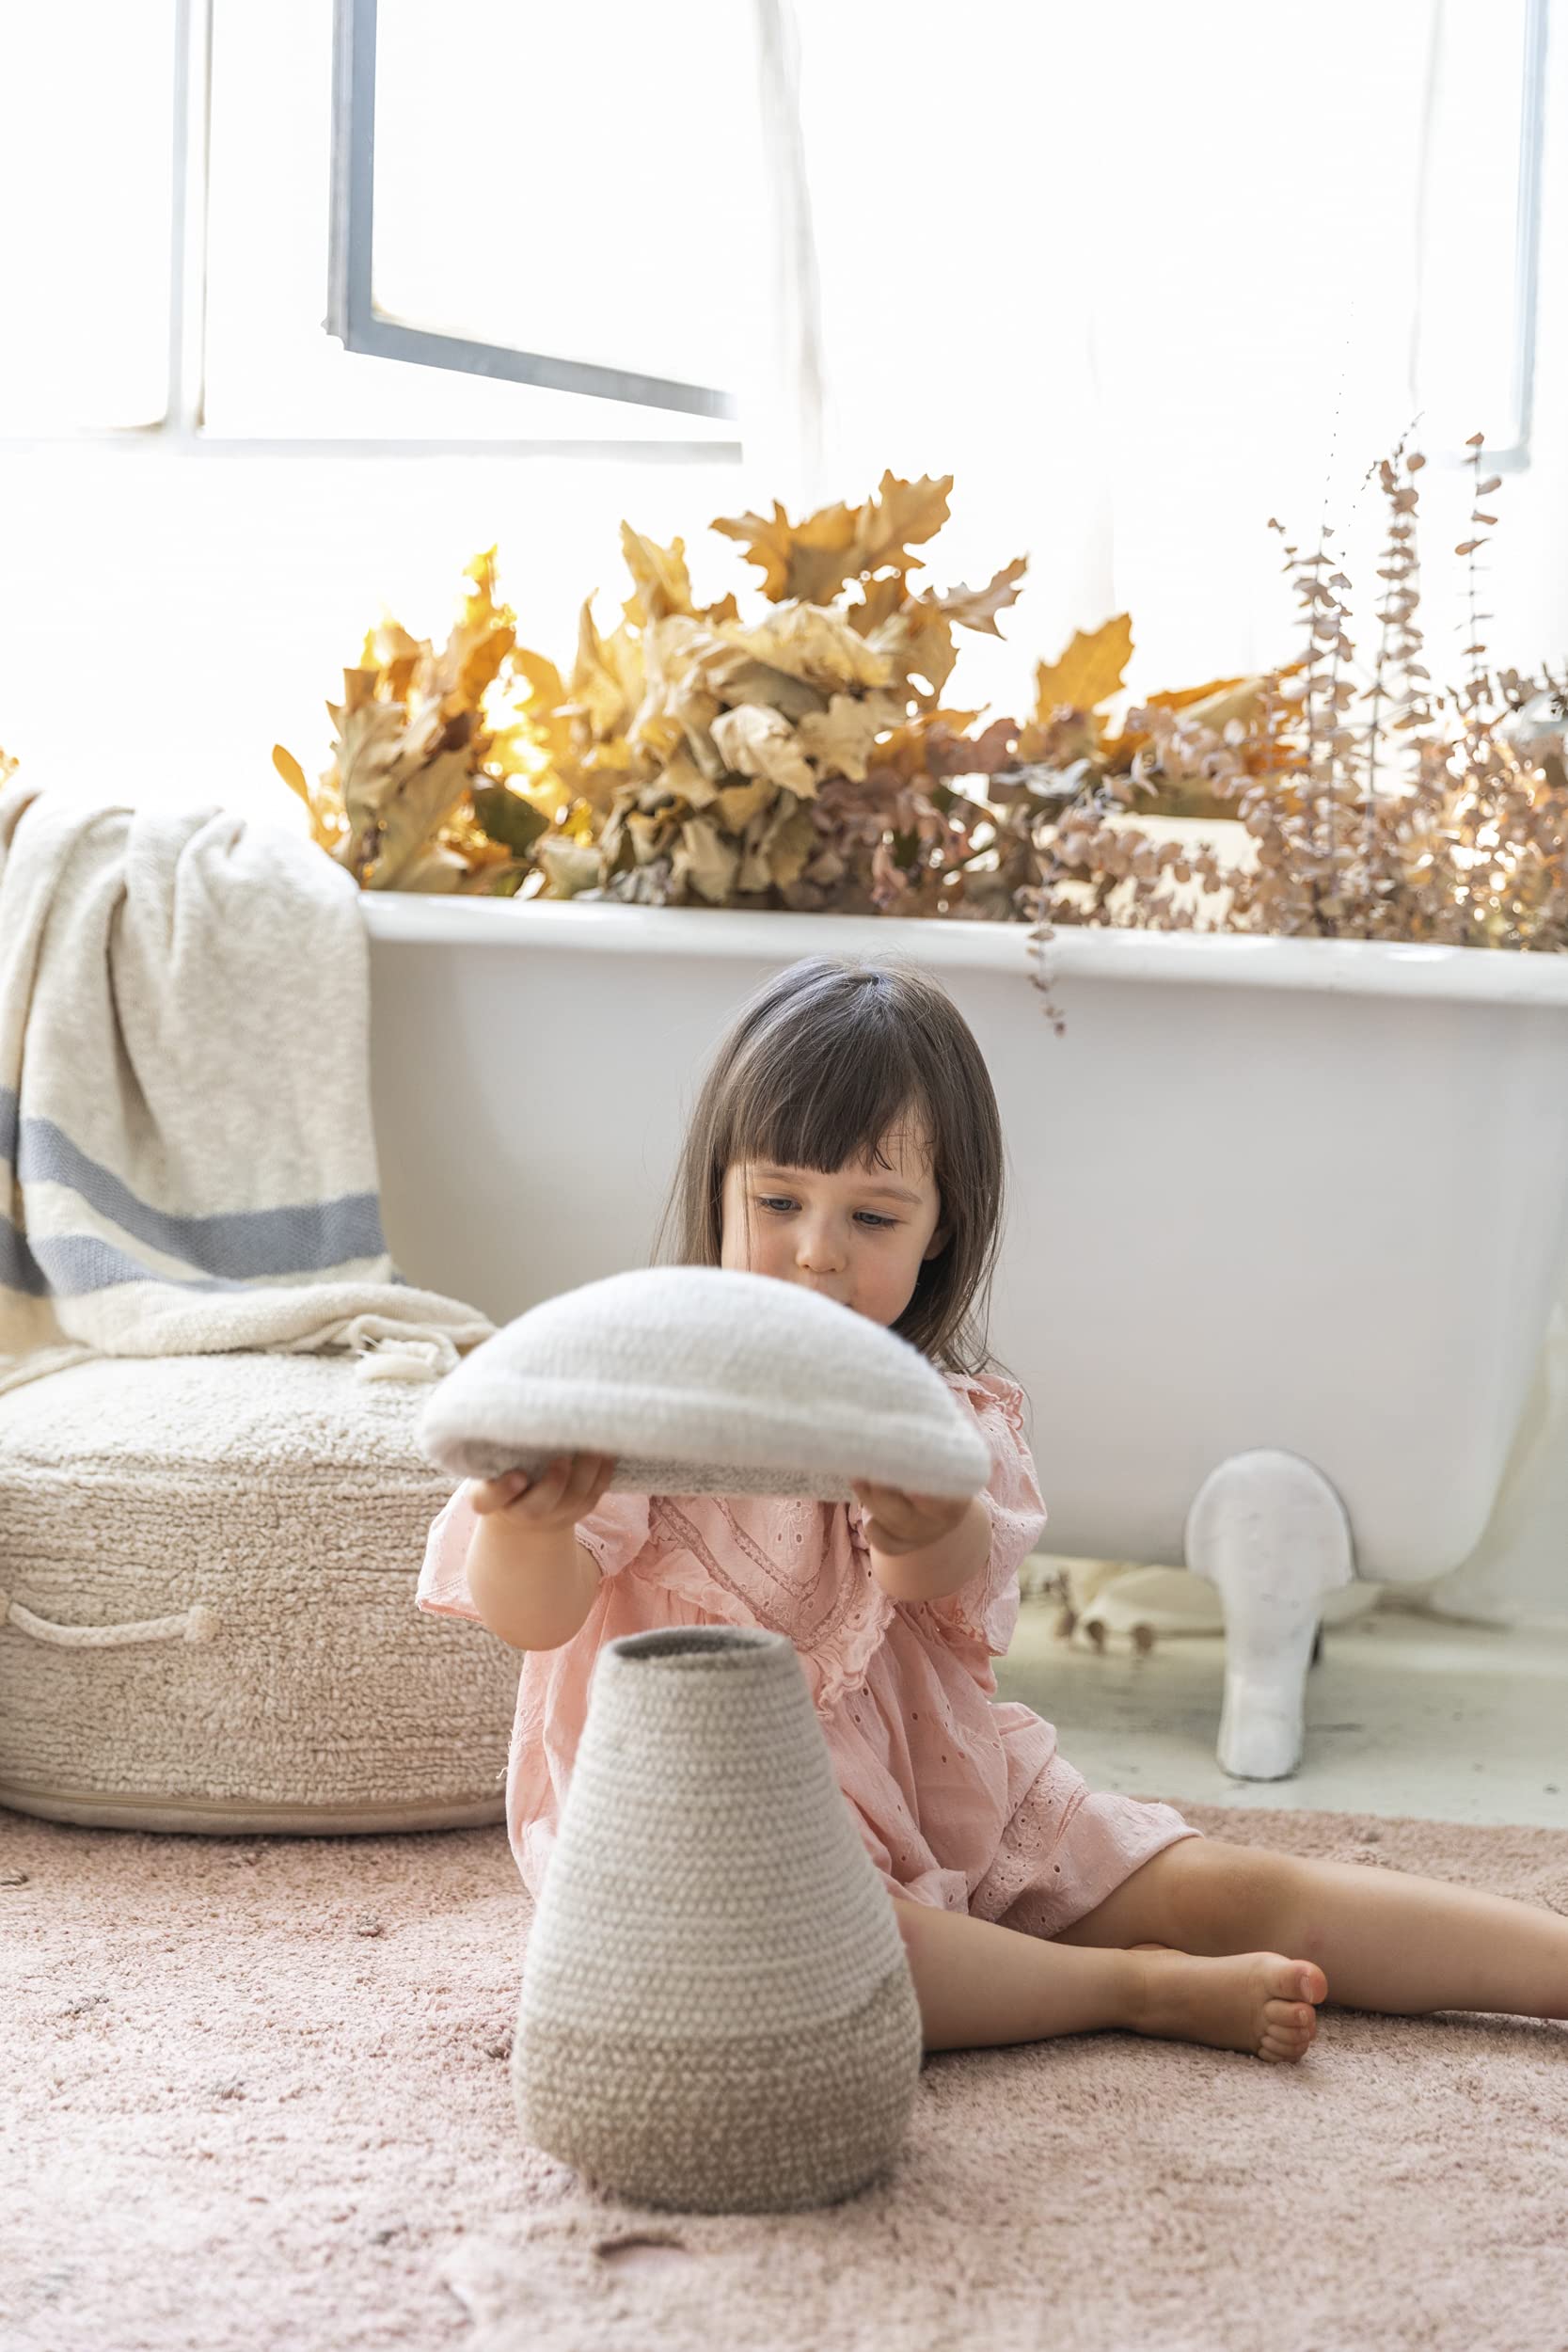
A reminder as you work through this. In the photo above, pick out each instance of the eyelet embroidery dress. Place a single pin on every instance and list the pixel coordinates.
(962, 1802)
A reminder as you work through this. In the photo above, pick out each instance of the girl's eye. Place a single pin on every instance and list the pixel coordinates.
(774, 1201)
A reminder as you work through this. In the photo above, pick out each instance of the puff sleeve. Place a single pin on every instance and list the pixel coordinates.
(442, 1589)
(981, 1616)
(615, 1531)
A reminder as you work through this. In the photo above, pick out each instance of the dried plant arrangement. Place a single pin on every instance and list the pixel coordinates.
(1371, 805)
(801, 758)
(804, 757)
(441, 774)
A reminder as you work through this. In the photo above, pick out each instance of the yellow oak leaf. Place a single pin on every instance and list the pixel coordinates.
(978, 608)
(879, 600)
(1089, 673)
(546, 690)
(607, 676)
(901, 515)
(663, 585)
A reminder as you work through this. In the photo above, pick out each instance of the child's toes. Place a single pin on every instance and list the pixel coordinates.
(1311, 1982)
(1288, 2031)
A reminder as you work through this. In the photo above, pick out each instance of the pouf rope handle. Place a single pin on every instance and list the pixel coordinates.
(196, 1623)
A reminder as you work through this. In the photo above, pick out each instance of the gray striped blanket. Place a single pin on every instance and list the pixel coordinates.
(188, 1162)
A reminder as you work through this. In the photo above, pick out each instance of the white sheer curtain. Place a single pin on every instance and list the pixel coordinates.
(1141, 276)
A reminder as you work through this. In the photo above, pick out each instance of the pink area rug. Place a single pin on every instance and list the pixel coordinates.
(255, 2094)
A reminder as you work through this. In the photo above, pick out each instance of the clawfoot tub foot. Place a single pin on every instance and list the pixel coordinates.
(1269, 1531)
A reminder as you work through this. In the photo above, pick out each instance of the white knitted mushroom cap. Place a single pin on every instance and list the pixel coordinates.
(703, 1380)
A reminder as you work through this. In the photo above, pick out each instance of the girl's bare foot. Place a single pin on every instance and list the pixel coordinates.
(1256, 2001)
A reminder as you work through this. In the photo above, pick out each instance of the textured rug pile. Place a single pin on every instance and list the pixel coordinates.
(255, 2094)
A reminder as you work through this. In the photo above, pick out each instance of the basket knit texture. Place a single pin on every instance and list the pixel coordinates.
(704, 1380)
(207, 1570)
(717, 2013)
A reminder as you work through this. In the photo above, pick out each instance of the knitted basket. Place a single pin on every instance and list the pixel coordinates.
(717, 2013)
(207, 1574)
(706, 1380)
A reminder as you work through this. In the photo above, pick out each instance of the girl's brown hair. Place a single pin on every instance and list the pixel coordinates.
(823, 1060)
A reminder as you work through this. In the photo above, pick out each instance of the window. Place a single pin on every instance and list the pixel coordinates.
(87, 195)
(515, 195)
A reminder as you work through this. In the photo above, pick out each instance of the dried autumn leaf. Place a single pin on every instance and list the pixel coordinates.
(707, 859)
(783, 841)
(917, 644)
(737, 803)
(879, 600)
(663, 583)
(838, 740)
(900, 517)
(812, 559)
(1089, 673)
(683, 778)
(396, 808)
(546, 690)
(809, 641)
(978, 608)
(327, 823)
(606, 683)
(507, 818)
(756, 741)
(288, 768)
(803, 560)
(735, 677)
(647, 834)
(433, 867)
(569, 866)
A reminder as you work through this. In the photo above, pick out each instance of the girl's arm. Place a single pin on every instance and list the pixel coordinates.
(923, 1548)
(529, 1579)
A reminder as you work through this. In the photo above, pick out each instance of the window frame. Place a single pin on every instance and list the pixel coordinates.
(352, 315)
(1512, 456)
(1527, 260)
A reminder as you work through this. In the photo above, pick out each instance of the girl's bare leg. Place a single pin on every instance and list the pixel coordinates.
(1386, 1939)
(981, 1984)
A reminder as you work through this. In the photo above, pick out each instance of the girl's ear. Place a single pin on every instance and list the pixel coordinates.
(937, 1243)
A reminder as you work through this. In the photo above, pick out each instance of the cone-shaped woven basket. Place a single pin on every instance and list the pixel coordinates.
(717, 2012)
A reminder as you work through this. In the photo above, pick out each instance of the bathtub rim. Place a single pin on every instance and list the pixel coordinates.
(1340, 967)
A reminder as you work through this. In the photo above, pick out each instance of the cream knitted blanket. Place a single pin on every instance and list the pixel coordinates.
(188, 1162)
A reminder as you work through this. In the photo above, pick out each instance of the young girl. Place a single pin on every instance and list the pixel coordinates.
(846, 1137)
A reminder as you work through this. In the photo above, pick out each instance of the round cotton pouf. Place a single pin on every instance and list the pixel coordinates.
(706, 1380)
(207, 1618)
(717, 2012)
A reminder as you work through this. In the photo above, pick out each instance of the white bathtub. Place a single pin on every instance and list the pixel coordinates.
(1302, 1202)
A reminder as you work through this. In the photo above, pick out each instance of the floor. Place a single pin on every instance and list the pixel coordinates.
(1406, 1714)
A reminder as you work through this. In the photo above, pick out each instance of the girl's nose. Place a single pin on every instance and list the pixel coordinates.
(819, 1252)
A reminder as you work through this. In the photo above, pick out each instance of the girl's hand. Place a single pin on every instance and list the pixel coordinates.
(897, 1523)
(564, 1491)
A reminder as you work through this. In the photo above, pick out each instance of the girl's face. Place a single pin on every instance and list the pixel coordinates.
(858, 1235)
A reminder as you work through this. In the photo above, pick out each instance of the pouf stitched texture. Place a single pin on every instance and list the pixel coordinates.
(207, 1577)
(704, 1380)
(717, 2013)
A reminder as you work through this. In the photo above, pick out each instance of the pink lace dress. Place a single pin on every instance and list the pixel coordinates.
(963, 1801)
